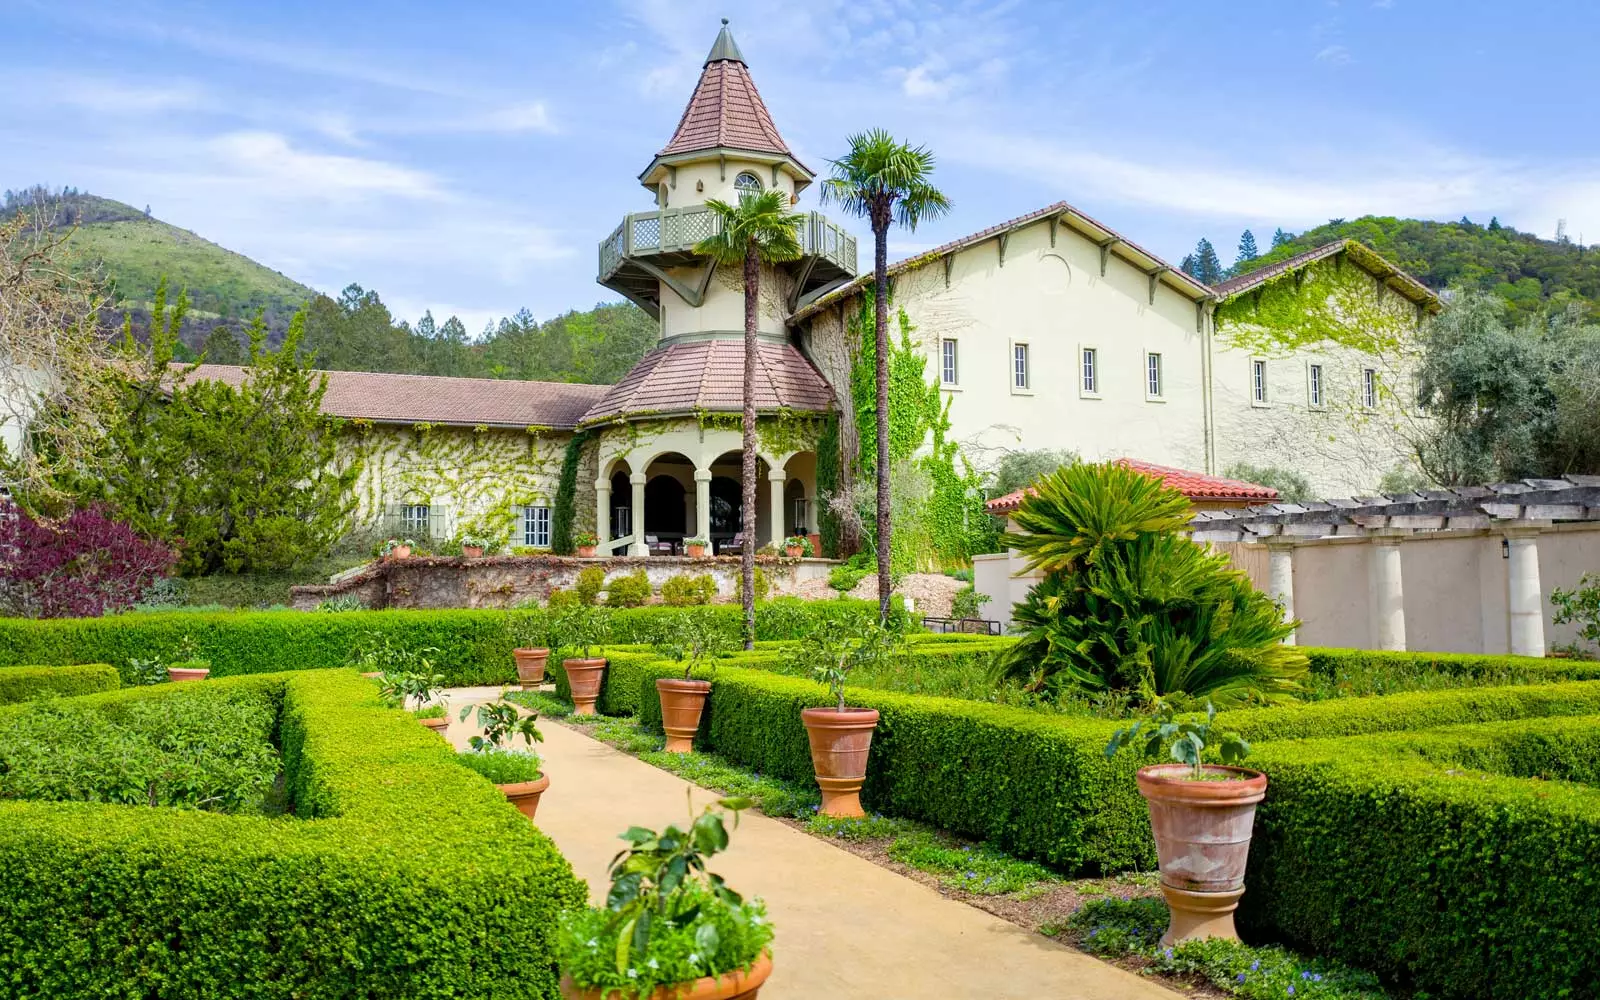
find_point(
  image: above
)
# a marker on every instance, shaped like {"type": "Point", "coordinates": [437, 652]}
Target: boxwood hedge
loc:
{"type": "Point", "coordinates": [28, 683]}
{"type": "Point", "coordinates": [401, 874]}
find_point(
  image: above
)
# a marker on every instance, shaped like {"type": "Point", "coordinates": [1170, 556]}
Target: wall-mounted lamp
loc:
{"type": "Point", "coordinates": [1505, 548]}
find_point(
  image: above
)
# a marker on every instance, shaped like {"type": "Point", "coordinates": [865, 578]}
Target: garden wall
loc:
{"type": "Point", "coordinates": [506, 581]}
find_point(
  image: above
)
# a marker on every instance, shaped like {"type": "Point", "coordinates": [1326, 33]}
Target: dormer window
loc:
{"type": "Point", "coordinates": [747, 184]}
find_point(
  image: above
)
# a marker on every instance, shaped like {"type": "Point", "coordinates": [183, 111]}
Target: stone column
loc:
{"type": "Point", "coordinates": [638, 548]}
{"type": "Point", "coordinates": [775, 481]}
{"type": "Point", "coordinates": [1280, 578]}
{"type": "Point", "coordinates": [1388, 595]}
{"type": "Point", "coordinates": [1524, 597]}
{"type": "Point", "coordinates": [602, 514]}
{"type": "Point", "coordinates": [702, 504]}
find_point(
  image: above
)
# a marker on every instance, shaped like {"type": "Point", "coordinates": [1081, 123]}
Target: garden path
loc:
{"type": "Point", "coordinates": [847, 928]}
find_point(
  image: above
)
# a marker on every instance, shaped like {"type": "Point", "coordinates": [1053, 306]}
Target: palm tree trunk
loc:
{"type": "Point", "coordinates": [880, 283]}
{"type": "Point", "coordinates": [752, 302]}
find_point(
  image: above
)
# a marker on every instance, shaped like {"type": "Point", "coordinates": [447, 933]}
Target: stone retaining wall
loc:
{"type": "Point", "coordinates": [506, 581]}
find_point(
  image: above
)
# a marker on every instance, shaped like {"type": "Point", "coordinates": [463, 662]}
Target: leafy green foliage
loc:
{"type": "Point", "coordinates": [1292, 486]}
{"type": "Point", "coordinates": [844, 578]}
{"type": "Point", "coordinates": [503, 767]}
{"type": "Point", "coordinates": [692, 639]}
{"type": "Point", "coordinates": [1186, 740]}
{"type": "Point", "coordinates": [1580, 607]}
{"type": "Point", "coordinates": [836, 648]}
{"type": "Point", "coordinates": [196, 748]}
{"type": "Point", "coordinates": [1128, 604]}
{"type": "Point", "coordinates": [579, 628]}
{"type": "Point", "coordinates": [501, 723]}
{"type": "Point", "coordinates": [23, 683]}
{"type": "Point", "coordinates": [967, 603]}
{"type": "Point", "coordinates": [1356, 673]}
{"type": "Point", "coordinates": [1019, 469]}
{"type": "Point", "coordinates": [565, 502]}
{"type": "Point", "coordinates": [630, 590]}
{"type": "Point", "coordinates": [591, 580]}
{"type": "Point", "coordinates": [1117, 927]}
{"type": "Point", "coordinates": [975, 868]}
{"type": "Point", "coordinates": [667, 919]}
{"type": "Point", "coordinates": [683, 590]}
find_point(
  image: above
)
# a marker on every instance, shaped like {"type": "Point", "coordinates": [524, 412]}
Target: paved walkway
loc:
{"type": "Point", "coordinates": [846, 928]}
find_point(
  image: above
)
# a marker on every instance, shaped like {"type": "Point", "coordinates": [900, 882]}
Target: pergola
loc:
{"type": "Point", "coordinates": [1518, 511]}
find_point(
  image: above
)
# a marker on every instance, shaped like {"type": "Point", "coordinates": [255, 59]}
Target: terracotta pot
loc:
{"type": "Point", "coordinates": [530, 666]}
{"type": "Point", "coordinates": [695, 551]}
{"type": "Point", "coordinates": [840, 741]}
{"type": "Point", "coordinates": [179, 674]}
{"type": "Point", "coordinates": [438, 725]}
{"type": "Point", "coordinates": [472, 551]}
{"type": "Point", "coordinates": [794, 551]}
{"type": "Point", "coordinates": [400, 552]}
{"type": "Point", "coordinates": [1202, 831]}
{"type": "Point", "coordinates": [525, 794]}
{"type": "Point", "coordinates": [583, 678]}
{"type": "Point", "coordinates": [736, 985]}
{"type": "Point", "coordinates": [682, 701]}
{"type": "Point", "coordinates": [587, 551]}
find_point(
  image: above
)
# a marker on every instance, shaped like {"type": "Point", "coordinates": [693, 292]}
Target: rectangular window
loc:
{"type": "Point", "coordinates": [1152, 374]}
{"type": "Point", "coordinates": [416, 520]}
{"type": "Point", "coordinates": [1019, 366]}
{"type": "Point", "coordinates": [536, 526]}
{"type": "Point", "coordinates": [947, 359]}
{"type": "Point", "coordinates": [1369, 388]}
{"type": "Point", "coordinates": [1258, 381]}
{"type": "Point", "coordinates": [1091, 370]}
{"type": "Point", "coordinates": [1314, 381]}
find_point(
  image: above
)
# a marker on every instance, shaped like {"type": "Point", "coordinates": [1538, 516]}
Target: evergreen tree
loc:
{"type": "Point", "coordinates": [1247, 249]}
{"type": "Point", "coordinates": [1207, 266]}
{"type": "Point", "coordinates": [221, 347]}
{"type": "Point", "coordinates": [1279, 238]}
{"type": "Point", "coordinates": [1188, 267]}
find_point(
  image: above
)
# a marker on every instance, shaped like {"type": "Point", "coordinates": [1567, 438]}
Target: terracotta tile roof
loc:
{"type": "Point", "coordinates": [709, 375]}
{"type": "Point", "coordinates": [1196, 289]}
{"type": "Point", "coordinates": [1360, 254]}
{"type": "Point", "coordinates": [411, 399]}
{"type": "Point", "coordinates": [726, 112]}
{"type": "Point", "coordinates": [1194, 485]}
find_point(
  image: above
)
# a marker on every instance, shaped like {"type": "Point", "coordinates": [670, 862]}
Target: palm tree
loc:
{"type": "Point", "coordinates": [760, 229]}
{"type": "Point", "coordinates": [883, 180]}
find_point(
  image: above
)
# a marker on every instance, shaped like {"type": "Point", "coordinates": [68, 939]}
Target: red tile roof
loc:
{"type": "Point", "coordinates": [709, 375]}
{"type": "Point", "coordinates": [412, 399]}
{"type": "Point", "coordinates": [1194, 485]}
{"type": "Point", "coordinates": [726, 112]}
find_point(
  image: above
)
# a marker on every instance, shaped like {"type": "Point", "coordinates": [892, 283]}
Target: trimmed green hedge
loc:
{"type": "Point", "coordinates": [1388, 852]}
{"type": "Point", "coordinates": [401, 875]}
{"type": "Point", "coordinates": [28, 683]}
{"type": "Point", "coordinates": [1339, 673]}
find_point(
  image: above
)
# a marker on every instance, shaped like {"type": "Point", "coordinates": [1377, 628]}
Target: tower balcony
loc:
{"type": "Point", "coordinates": [634, 258]}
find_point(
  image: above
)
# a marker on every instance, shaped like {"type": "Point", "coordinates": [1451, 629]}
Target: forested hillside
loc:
{"type": "Point", "coordinates": [131, 251]}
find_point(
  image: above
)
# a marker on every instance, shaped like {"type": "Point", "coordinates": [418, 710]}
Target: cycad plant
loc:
{"type": "Point", "coordinates": [759, 230]}
{"type": "Point", "coordinates": [1130, 605]}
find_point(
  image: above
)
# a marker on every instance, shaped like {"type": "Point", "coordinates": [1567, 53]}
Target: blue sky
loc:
{"type": "Point", "coordinates": [467, 157]}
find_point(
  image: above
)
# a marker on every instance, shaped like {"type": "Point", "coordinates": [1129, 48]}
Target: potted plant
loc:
{"type": "Point", "coordinates": [473, 546]}
{"type": "Point", "coordinates": [695, 548]}
{"type": "Point", "coordinates": [398, 548]}
{"type": "Point", "coordinates": [690, 639]}
{"type": "Point", "coordinates": [587, 542]}
{"type": "Point", "coordinates": [669, 928]}
{"type": "Point", "coordinates": [420, 690]}
{"type": "Point", "coordinates": [796, 546]}
{"type": "Point", "coordinates": [517, 773]}
{"type": "Point", "coordinates": [1201, 815]}
{"type": "Point", "coordinates": [580, 628]}
{"type": "Point", "coordinates": [530, 637]}
{"type": "Point", "coordinates": [841, 736]}
{"type": "Point", "coordinates": [189, 670]}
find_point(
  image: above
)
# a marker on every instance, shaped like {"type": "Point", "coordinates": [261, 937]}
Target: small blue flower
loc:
{"type": "Point", "coordinates": [1240, 978]}
{"type": "Point", "coordinates": [1255, 965]}
{"type": "Point", "coordinates": [1291, 991]}
{"type": "Point", "coordinates": [1317, 978]}
{"type": "Point", "coordinates": [1305, 975]}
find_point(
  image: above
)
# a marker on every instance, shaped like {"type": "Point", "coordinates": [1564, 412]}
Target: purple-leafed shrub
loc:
{"type": "Point", "coordinates": [83, 565]}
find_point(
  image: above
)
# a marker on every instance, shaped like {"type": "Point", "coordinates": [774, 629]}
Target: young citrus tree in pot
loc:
{"type": "Point", "coordinates": [1201, 814]}
{"type": "Point", "coordinates": [422, 691]}
{"type": "Point", "coordinates": [841, 736]}
{"type": "Point", "coordinates": [669, 929]}
{"type": "Point", "coordinates": [517, 773]}
{"type": "Point", "coordinates": [581, 628]}
{"type": "Point", "coordinates": [530, 633]}
{"type": "Point", "coordinates": [691, 639]}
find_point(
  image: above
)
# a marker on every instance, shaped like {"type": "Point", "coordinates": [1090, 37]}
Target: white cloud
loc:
{"type": "Point", "coordinates": [529, 116]}
{"type": "Point", "coordinates": [1333, 55]}
{"type": "Point", "coordinates": [919, 83]}
{"type": "Point", "coordinates": [268, 158]}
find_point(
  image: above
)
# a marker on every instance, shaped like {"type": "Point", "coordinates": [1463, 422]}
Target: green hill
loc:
{"type": "Point", "coordinates": [1528, 272]}
{"type": "Point", "coordinates": [132, 250]}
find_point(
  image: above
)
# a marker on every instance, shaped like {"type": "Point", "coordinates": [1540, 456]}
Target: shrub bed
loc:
{"type": "Point", "coordinates": [1343, 673]}
{"type": "Point", "coordinates": [28, 683]}
{"type": "Point", "coordinates": [405, 875]}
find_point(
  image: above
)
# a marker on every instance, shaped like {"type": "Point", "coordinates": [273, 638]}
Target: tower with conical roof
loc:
{"type": "Point", "coordinates": [726, 144]}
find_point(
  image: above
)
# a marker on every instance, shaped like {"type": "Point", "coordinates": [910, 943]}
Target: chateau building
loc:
{"type": "Point", "coordinates": [1051, 330]}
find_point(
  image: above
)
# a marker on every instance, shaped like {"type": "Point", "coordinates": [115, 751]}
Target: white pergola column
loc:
{"type": "Point", "coordinates": [638, 547]}
{"type": "Point", "coordinates": [602, 514]}
{"type": "Point", "coordinates": [1388, 594]}
{"type": "Point", "coordinates": [775, 481]}
{"type": "Point", "coordinates": [702, 504]}
{"type": "Point", "coordinates": [1524, 596]}
{"type": "Point", "coordinates": [1280, 579]}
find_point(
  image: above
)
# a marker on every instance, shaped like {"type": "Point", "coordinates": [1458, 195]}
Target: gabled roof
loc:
{"type": "Point", "coordinates": [1194, 485]}
{"type": "Point", "coordinates": [708, 376]}
{"type": "Point", "coordinates": [726, 110]}
{"type": "Point", "coordinates": [1358, 253]}
{"type": "Point", "coordinates": [416, 399]}
{"type": "Point", "coordinates": [1117, 244]}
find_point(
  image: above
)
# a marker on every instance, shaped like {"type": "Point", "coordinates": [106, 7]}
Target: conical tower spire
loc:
{"type": "Point", "coordinates": [724, 49]}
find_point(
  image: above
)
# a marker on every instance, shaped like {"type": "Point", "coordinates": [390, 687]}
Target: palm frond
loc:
{"type": "Point", "coordinates": [879, 169]}
{"type": "Point", "coordinates": [762, 220]}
